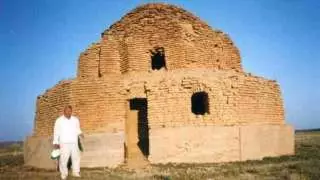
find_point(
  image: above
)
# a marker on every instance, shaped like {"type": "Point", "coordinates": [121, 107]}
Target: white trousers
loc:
{"type": "Point", "coordinates": [67, 150]}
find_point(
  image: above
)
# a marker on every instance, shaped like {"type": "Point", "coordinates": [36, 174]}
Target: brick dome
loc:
{"type": "Point", "coordinates": [171, 36]}
{"type": "Point", "coordinates": [170, 20]}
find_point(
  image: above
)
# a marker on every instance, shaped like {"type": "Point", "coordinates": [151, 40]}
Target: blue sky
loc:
{"type": "Point", "coordinates": [40, 41]}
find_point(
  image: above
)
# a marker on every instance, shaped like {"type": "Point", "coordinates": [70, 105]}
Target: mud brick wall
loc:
{"type": "Point", "coordinates": [99, 104]}
{"type": "Point", "coordinates": [198, 58]}
{"type": "Point", "coordinates": [110, 56]}
{"type": "Point", "coordinates": [259, 101]}
{"type": "Point", "coordinates": [89, 62]}
{"type": "Point", "coordinates": [178, 54]}
{"type": "Point", "coordinates": [233, 98]}
{"type": "Point", "coordinates": [100, 59]}
{"type": "Point", "coordinates": [49, 106]}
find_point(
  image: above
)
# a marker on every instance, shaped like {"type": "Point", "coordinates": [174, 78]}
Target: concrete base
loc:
{"type": "Point", "coordinates": [37, 152]}
{"type": "Point", "coordinates": [190, 144]}
{"type": "Point", "coordinates": [100, 150]}
{"type": "Point", "coordinates": [220, 143]}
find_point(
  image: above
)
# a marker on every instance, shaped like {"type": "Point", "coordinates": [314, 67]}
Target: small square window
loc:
{"type": "Point", "coordinates": [158, 59]}
{"type": "Point", "coordinates": [200, 103]}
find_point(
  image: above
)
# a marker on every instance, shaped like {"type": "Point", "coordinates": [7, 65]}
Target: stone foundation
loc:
{"type": "Point", "coordinates": [220, 143]}
{"type": "Point", "coordinates": [202, 144]}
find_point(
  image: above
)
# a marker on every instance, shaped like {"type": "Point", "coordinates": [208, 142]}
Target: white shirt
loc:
{"type": "Point", "coordinates": [66, 130]}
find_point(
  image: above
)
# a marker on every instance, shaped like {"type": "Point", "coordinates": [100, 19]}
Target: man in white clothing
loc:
{"type": "Point", "coordinates": [65, 136]}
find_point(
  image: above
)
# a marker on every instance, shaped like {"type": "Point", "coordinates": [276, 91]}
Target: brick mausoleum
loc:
{"type": "Point", "coordinates": [163, 86]}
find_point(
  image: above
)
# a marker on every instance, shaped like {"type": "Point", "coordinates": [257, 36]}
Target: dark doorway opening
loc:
{"type": "Point", "coordinates": [199, 103]}
{"type": "Point", "coordinates": [158, 59]}
{"type": "Point", "coordinates": [141, 105]}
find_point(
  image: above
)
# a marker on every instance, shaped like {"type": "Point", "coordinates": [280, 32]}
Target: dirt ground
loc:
{"type": "Point", "coordinates": [304, 165]}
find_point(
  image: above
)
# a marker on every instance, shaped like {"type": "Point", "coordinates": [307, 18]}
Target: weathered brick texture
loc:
{"type": "Point", "coordinates": [163, 82]}
{"type": "Point", "coordinates": [197, 57]}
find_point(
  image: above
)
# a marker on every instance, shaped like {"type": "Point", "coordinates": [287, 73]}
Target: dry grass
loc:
{"type": "Point", "coordinates": [304, 165]}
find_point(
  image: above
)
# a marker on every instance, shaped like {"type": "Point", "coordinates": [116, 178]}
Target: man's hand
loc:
{"type": "Point", "coordinates": [81, 136]}
{"type": "Point", "coordinates": [56, 146]}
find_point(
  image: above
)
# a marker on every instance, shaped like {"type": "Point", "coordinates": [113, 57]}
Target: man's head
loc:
{"type": "Point", "coordinates": [67, 111]}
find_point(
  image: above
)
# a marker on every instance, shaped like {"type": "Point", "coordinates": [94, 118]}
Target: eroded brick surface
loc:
{"type": "Point", "coordinates": [197, 58]}
{"type": "Point", "coordinates": [234, 99]}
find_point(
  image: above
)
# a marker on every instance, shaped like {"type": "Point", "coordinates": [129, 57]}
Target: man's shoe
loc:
{"type": "Point", "coordinates": [76, 175]}
{"type": "Point", "coordinates": [63, 177]}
